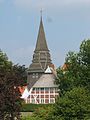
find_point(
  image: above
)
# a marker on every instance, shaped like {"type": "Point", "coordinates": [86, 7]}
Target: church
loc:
{"type": "Point", "coordinates": [41, 74]}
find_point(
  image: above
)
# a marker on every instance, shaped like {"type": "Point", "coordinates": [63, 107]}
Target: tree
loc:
{"type": "Point", "coordinates": [11, 76]}
{"type": "Point", "coordinates": [74, 84]}
{"type": "Point", "coordinates": [77, 71]}
{"type": "Point", "coordinates": [74, 105]}
{"type": "Point", "coordinates": [85, 62]}
{"type": "Point", "coordinates": [43, 113]}
{"type": "Point", "coordinates": [70, 75]}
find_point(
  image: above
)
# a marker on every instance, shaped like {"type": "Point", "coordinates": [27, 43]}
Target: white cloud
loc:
{"type": "Point", "coordinates": [48, 4]}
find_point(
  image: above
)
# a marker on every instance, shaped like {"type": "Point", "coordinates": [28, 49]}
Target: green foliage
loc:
{"type": "Point", "coordinates": [75, 104]}
{"type": "Point", "coordinates": [77, 71]}
{"type": "Point", "coordinates": [33, 107]}
{"type": "Point", "coordinates": [85, 52]}
{"type": "Point", "coordinates": [40, 112]}
{"type": "Point", "coordinates": [30, 118]}
{"type": "Point", "coordinates": [21, 74]}
{"type": "Point", "coordinates": [73, 81]}
{"type": "Point", "coordinates": [44, 112]}
{"type": "Point", "coordinates": [10, 78]}
{"type": "Point", "coordinates": [74, 85]}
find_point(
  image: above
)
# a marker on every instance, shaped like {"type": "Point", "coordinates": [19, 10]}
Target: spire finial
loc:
{"type": "Point", "coordinates": [41, 12]}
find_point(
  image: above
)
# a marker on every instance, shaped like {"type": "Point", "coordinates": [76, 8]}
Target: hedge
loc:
{"type": "Point", "coordinates": [32, 107]}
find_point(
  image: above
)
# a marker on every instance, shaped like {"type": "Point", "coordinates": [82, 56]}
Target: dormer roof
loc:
{"type": "Point", "coordinates": [48, 70]}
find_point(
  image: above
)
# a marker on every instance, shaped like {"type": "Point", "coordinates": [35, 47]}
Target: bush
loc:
{"type": "Point", "coordinates": [33, 107]}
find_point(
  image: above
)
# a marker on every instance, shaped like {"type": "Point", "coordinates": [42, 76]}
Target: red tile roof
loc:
{"type": "Point", "coordinates": [21, 89]}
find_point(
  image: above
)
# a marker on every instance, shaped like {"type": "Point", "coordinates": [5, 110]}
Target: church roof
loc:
{"type": "Point", "coordinates": [46, 80]}
{"type": "Point", "coordinates": [41, 44]}
{"type": "Point", "coordinates": [22, 88]}
{"type": "Point", "coordinates": [34, 67]}
{"type": "Point", "coordinates": [41, 56]}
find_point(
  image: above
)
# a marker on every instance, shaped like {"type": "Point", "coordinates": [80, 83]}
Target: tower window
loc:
{"type": "Point", "coordinates": [33, 76]}
{"type": "Point", "coordinates": [36, 75]}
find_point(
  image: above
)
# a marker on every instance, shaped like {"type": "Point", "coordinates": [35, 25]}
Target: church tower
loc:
{"type": "Point", "coordinates": [41, 58]}
{"type": "Point", "coordinates": [41, 74]}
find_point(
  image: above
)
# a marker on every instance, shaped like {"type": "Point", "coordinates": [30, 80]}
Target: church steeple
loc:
{"type": "Point", "coordinates": [41, 44]}
{"type": "Point", "coordinates": [41, 56]}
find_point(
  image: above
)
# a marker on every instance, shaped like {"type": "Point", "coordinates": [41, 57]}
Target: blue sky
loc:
{"type": "Point", "coordinates": [66, 24]}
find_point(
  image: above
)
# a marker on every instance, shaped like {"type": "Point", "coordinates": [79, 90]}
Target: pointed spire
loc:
{"type": "Point", "coordinates": [41, 56]}
{"type": "Point", "coordinates": [41, 14]}
{"type": "Point", "coordinates": [41, 44]}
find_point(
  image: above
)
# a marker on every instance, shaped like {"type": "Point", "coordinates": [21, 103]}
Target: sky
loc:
{"type": "Point", "coordinates": [66, 25]}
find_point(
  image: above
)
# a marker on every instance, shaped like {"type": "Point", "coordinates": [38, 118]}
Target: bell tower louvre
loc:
{"type": "Point", "coordinates": [41, 58]}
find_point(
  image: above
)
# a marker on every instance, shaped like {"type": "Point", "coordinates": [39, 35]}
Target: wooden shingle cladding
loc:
{"type": "Point", "coordinates": [41, 58]}
{"type": "Point", "coordinates": [46, 81]}
{"type": "Point", "coordinates": [33, 78]}
{"type": "Point", "coordinates": [41, 44]}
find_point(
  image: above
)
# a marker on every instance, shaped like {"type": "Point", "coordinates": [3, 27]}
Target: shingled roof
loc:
{"type": "Point", "coordinates": [46, 80]}
{"type": "Point", "coordinates": [41, 56]}
{"type": "Point", "coordinates": [41, 44]}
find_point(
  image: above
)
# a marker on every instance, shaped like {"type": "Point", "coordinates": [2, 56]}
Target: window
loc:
{"type": "Point", "coordinates": [52, 100]}
{"type": "Point", "coordinates": [46, 96]}
{"type": "Point", "coordinates": [28, 100]}
{"type": "Point", "coordinates": [37, 89]}
{"type": "Point", "coordinates": [46, 89]}
{"type": "Point", "coordinates": [33, 89]}
{"type": "Point", "coordinates": [42, 89]}
{"type": "Point", "coordinates": [56, 90]}
{"type": "Point", "coordinates": [36, 75]}
{"type": "Point", "coordinates": [42, 96]}
{"type": "Point", "coordinates": [51, 90]}
{"type": "Point", "coordinates": [42, 100]}
{"type": "Point", "coordinates": [33, 76]}
{"type": "Point", "coordinates": [33, 100]}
